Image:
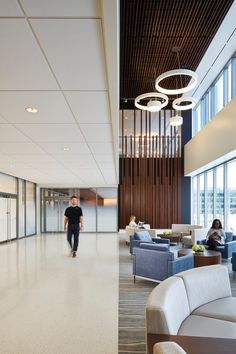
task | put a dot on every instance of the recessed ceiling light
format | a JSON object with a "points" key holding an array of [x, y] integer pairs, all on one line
{"points": [[31, 109], [66, 148], [126, 117]]}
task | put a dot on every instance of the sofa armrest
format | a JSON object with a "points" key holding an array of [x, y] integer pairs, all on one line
{"points": [[180, 264], [136, 243], [161, 240]]}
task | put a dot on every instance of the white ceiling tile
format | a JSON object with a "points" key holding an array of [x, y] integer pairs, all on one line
{"points": [[51, 105], [78, 164], [20, 148], [8, 133], [75, 51], [97, 132], [89, 107], [33, 158], [101, 148], [61, 8], [3, 120], [105, 165], [106, 158], [57, 149], [10, 8], [51, 132], [22, 64], [109, 173]]}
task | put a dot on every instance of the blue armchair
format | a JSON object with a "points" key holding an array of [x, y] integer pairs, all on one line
{"points": [[228, 248], [151, 262], [144, 237]]}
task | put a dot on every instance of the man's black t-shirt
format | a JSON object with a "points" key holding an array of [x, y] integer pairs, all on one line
{"points": [[73, 214]]}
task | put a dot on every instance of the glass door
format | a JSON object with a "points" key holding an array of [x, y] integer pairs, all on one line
{"points": [[7, 218], [3, 219]]}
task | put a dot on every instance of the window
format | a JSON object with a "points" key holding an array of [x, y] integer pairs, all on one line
{"points": [[194, 201], [219, 193], [216, 97], [231, 190], [219, 95], [209, 198], [202, 199]]}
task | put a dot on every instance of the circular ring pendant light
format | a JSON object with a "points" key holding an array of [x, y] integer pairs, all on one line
{"points": [[153, 105], [177, 107], [176, 72], [176, 121]]}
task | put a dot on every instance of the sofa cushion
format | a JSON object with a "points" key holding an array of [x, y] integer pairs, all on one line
{"points": [[142, 236], [222, 309], [200, 326], [167, 307], [206, 284], [228, 237], [155, 246]]}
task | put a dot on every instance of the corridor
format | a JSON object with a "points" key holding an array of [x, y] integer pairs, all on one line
{"points": [[52, 303]]}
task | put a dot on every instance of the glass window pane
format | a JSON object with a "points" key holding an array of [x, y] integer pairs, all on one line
{"points": [[229, 82], [30, 208], [8, 184], [202, 199], [107, 209], [87, 201], [194, 201], [21, 208], [209, 198], [219, 190], [219, 97], [231, 208]]}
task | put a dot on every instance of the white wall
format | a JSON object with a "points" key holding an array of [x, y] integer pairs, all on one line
{"points": [[214, 144]]}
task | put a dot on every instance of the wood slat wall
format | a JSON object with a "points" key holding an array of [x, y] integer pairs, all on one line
{"points": [[150, 189], [149, 29]]}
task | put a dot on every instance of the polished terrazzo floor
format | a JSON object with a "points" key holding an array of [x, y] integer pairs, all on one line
{"points": [[52, 303]]}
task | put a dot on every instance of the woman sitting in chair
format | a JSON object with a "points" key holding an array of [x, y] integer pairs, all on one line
{"points": [[132, 222], [215, 236]]}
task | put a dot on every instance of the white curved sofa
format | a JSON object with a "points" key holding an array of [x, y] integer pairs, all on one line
{"points": [[197, 302]]}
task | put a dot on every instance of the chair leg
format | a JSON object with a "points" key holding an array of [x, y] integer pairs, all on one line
{"points": [[134, 279]]}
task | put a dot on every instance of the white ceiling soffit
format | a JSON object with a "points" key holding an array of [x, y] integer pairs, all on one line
{"points": [[221, 49], [56, 55], [10, 8], [61, 8]]}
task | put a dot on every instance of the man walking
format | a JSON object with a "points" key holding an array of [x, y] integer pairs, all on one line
{"points": [[73, 223]]}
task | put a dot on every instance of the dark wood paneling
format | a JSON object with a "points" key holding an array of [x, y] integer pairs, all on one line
{"points": [[150, 194], [149, 30]]}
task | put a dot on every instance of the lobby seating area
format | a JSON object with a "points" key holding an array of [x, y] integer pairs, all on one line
{"points": [[203, 304], [156, 262]]}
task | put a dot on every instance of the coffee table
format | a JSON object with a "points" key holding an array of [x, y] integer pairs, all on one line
{"points": [[203, 258], [195, 345], [174, 237]]}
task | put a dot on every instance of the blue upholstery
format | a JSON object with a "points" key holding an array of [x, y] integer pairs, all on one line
{"points": [[158, 265], [233, 261], [142, 236], [154, 246], [154, 240], [228, 248]]}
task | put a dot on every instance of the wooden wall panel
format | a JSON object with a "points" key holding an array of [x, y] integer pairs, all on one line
{"points": [[150, 189]]}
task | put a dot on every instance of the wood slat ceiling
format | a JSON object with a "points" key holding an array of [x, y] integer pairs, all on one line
{"points": [[149, 30]]}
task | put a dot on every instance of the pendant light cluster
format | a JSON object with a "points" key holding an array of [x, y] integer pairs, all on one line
{"points": [[159, 100]]}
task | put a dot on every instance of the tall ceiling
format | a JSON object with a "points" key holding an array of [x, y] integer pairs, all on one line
{"points": [[55, 56], [151, 29]]}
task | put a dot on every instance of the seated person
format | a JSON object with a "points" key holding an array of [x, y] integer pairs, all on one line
{"points": [[215, 236], [132, 222]]}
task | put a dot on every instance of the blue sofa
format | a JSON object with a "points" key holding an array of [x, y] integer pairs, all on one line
{"points": [[228, 248], [143, 236], [156, 262]]}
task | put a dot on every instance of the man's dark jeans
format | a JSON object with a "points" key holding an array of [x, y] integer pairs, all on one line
{"points": [[73, 230]]}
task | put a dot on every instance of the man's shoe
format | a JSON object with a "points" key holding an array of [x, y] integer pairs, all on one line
{"points": [[74, 254]]}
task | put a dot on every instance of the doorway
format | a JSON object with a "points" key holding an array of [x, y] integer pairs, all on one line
{"points": [[7, 218]]}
